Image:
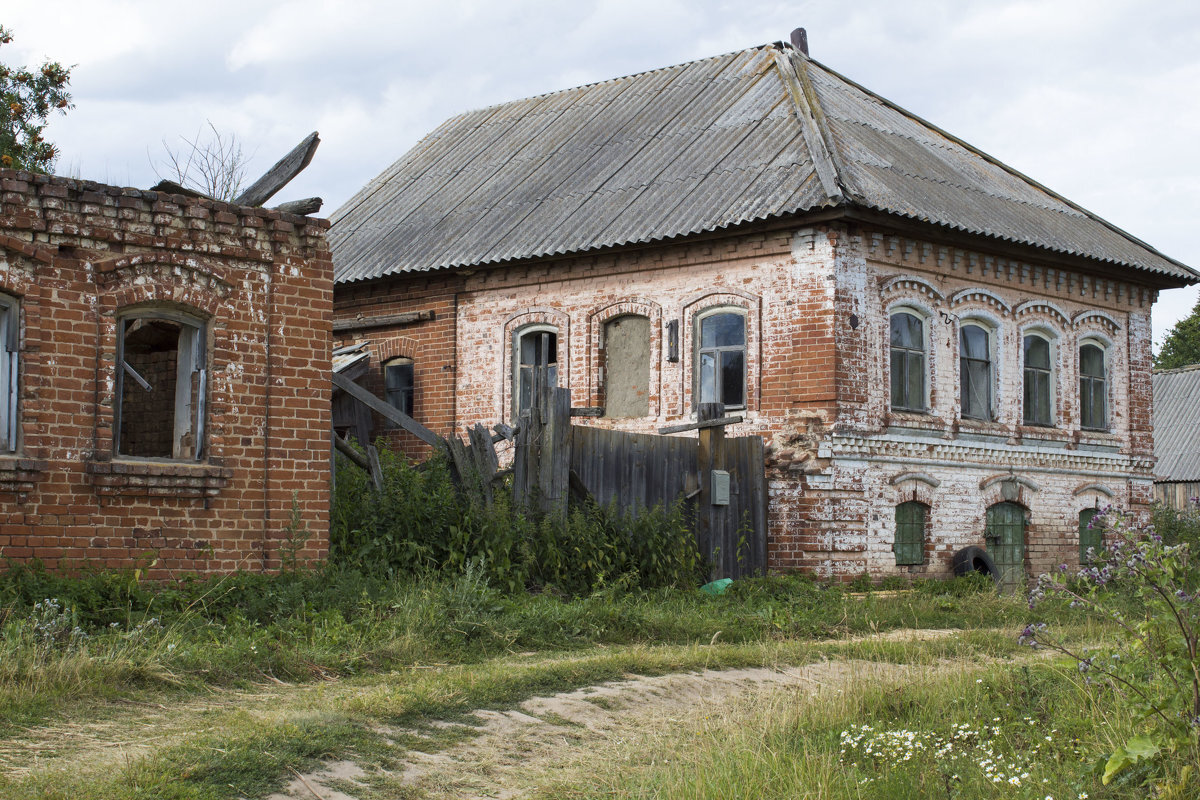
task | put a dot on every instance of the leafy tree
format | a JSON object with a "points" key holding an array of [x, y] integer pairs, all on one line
{"points": [[27, 98], [1182, 345]]}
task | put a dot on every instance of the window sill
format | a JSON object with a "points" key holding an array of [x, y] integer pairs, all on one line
{"points": [[158, 478], [18, 475]]}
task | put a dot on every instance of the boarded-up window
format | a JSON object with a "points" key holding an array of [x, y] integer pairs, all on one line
{"points": [[398, 384], [535, 360], [160, 383], [1090, 536], [907, 338], [721, 358], [9, 336], [909, 544], [627, 367], [1093, 388]]}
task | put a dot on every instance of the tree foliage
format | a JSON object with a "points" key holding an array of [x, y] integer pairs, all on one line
{"points": [[27, 99], [1181, 348]]}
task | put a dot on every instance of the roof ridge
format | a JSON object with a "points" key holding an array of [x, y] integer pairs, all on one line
{"points": [[1173, 370], [997, 162], [812, 123]]}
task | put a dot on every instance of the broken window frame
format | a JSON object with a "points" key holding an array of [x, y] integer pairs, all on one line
{"points": [[542, 371], [190, 360], [719, 353], [400, 396], [10, 335]]}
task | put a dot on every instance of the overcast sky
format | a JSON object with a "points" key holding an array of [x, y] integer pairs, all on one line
{"points": [[1097, 99]]}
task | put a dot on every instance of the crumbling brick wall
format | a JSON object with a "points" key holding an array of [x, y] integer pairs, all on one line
{"points": [[78, 256]]}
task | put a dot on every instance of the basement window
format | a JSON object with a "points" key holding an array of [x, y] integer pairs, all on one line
{"points": [[9, 337], [160, 386]]}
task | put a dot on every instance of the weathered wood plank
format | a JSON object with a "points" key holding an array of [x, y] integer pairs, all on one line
{"points": [[588, 411], [387, 412], [374, 468], [281, 174], [309, 205], [356, 458], [382, 321], [701, 424]]}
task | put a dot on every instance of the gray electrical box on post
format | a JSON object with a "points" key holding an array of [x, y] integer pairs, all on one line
{"points": [[720, 487]]}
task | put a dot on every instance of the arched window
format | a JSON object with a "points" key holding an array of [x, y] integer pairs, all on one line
{"points": [[161, 379], [1091, 538], [9, 338], [535, 364], [975, 371], [1093, 387], [909, 545], [1038, 379], [398, 383], [721, 358], [908, 361]]}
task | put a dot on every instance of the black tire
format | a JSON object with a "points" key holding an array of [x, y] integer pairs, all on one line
{"points": [[975, 559]]}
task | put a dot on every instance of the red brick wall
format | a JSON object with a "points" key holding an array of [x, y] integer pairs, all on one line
{"points": [[76, 255]]}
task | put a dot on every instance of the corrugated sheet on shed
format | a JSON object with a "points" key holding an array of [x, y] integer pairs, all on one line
{"points": [[1177, 424], [688, 149]]}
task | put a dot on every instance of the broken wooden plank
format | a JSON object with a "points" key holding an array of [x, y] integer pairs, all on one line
{"points": [[281, 174], [309, 205], [387, 412], [701, 424], [133, 373], [356, 458], [374, 468], [171, 187], [365, 323], [588, 411], [503, 432]]}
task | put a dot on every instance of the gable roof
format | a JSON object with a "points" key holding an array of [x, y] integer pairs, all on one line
{"points": [[1177, 424], [758, 134]]}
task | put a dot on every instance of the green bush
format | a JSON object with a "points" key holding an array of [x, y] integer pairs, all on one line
{"points": [[420, 523]]}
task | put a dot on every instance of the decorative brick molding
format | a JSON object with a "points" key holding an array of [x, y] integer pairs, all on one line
{"points": [[19, 475], [158, 479]]}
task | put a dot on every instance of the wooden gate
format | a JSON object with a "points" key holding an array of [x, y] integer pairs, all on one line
{"points": [[720, 479]]}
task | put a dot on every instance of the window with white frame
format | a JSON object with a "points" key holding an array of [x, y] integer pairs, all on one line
{"points": [[721, 357], [10, 329], [161, 383], [535, 364], [975, 371], [1093, 386], [399, 384], [1037, 360], [908, 361]]}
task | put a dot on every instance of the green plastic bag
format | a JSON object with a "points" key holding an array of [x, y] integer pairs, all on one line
{"points": [[716, 587]]}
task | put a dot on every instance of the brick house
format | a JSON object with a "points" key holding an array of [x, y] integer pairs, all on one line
{"points": [[938, 351], [164, 366]]}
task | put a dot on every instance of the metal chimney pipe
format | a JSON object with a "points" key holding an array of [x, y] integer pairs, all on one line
{"points": [[800, 40]]}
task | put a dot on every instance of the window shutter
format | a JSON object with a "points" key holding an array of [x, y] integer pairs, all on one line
{"points": [[909, 545]]}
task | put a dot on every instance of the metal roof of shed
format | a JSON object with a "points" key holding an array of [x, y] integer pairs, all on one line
{"points": [[1177, 424], [758, 134]]}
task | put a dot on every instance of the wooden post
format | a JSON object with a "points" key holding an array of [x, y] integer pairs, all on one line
{"points": [[710, 451], [554, 457]]}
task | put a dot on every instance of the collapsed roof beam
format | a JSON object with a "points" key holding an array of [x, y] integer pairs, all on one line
{"points": [[281, 174]]}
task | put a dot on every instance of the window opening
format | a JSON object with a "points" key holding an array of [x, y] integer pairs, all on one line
{"points": [[909, 545], [908, 362], [1005, 534], [537, 365], [398, 380], [975, 368], [9, 338], [161, 386], [627, 366], [1090, 536], [722, 359], [1037, 380], [1093, 392]]}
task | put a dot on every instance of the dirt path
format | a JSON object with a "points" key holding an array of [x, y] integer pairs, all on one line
{"points": [[503, 754]]}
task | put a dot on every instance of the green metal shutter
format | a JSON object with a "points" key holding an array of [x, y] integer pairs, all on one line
{"points": [[909, 545], [1088, 537]]}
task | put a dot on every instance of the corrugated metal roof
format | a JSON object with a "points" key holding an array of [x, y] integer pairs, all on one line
{"points": [[687, 149], [1177, 424]]}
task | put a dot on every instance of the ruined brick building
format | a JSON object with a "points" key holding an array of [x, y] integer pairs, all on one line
{"points": [[938, 351], [163, 378]]}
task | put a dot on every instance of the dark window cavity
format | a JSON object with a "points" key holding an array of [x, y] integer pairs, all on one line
{"points": [[536, 359], [721, 358], [160, 385], [398, 384], [9, 337], [975, 367], [909, 545], [1093, 388], [627, 366], [908, 362], [1037, 380]]}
